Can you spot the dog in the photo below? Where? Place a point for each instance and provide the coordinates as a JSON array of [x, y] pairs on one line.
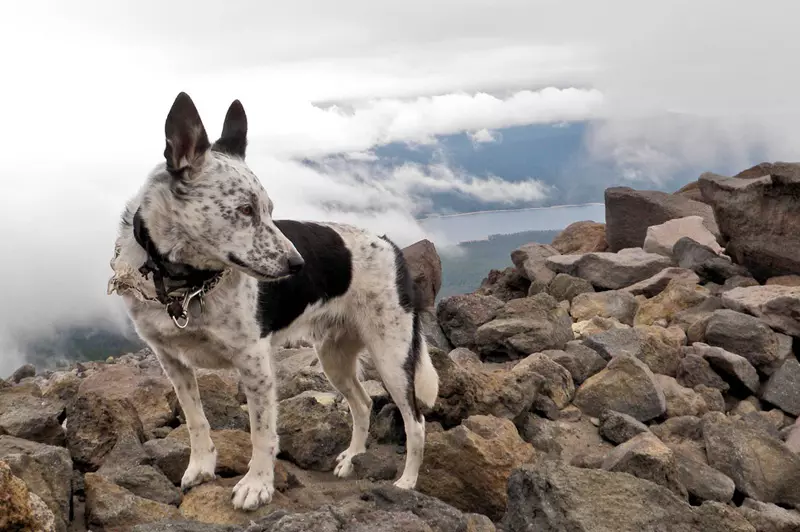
[[210, 280]]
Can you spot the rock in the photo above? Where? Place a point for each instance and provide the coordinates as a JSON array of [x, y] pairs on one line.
[[147, 389], [23, 372], [308, 379], [581, 237], [425, 267], [644, 456], [652, 286], [776, 305], [184, 526], [468, 466], [695, 370], [27, 415], [582, 362], [738, 281], [211, 503], [468, 391], [96, 424], [767, 517], [784, 280], [110, 507], [21, 509], [220, 406], [684, 435], [530, 262], [588, 328], [465, 358], [690, 191], [313, 430], [735, 368], [565, 287], [681, 401], [758, 218], [611, 271], [525, 326], [576, 442], [722, 518], [705, 262], [142, 480], [762, 467], [170, 455], [627, 386], [783, 387], [233, 449], [618, 428], [370, 466], [432, 331], [550, 496], [460, 316], [675, 298], [714, 401], [611, 304], [557, 384], [662, 238], [46, 471], [657, 347], [505, 285], [703, 482], [630, 212], [746, 336]]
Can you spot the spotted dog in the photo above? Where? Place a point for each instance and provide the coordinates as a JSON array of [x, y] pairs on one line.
[[210, 280]]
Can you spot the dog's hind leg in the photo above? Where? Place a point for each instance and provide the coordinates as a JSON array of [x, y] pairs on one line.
[[338, 355], [203, 458], [257, 486]]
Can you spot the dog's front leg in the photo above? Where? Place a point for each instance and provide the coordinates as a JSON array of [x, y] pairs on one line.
[[203, 458], [257, 486]]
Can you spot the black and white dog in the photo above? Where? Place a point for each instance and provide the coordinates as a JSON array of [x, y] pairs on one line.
[[211, 280]]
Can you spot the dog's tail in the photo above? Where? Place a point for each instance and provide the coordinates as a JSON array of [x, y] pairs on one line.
[[426, 380]]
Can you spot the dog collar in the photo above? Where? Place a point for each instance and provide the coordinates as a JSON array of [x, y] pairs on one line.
[[176, 284]]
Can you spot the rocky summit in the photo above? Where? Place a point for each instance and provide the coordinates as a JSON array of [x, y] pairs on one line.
[[641, 376]]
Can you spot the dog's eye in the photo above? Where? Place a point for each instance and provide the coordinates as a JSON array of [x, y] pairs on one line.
[[247, 210]]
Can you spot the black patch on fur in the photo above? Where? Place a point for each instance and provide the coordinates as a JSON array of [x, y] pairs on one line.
[[233, 141], [185, 135], [409, 300], [326, 274]]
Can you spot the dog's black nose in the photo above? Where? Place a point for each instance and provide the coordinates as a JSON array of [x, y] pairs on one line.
[[296, 263]]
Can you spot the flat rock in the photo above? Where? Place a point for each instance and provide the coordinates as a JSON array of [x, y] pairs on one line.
[[468, 466], [626, 385], [110, 507], [610, 304], [783, 387], [703, 482], [746, 336], [657, 347], [662, 238], [776, 305], [461, 315], [630, 212], [652, 286], [644, 456], [611, 271], [581, 237], [24, 413], [211, 503]]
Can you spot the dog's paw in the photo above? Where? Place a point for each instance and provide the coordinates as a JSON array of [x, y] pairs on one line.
[[252, 491], [405, 483], [199, 471], [344, 468]]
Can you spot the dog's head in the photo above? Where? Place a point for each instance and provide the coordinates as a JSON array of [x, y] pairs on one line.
[[214, 209]]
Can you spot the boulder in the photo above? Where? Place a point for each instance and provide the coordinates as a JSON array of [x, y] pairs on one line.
[[662, 238], [565, 287], [425, 267], [461, 315], [610, 271], [581, 237], [695, 370], [784, 280], [170, 455], [644, 456], [627, 386], [684, 435], [747, 336], [657, 347], [652, 286], [588, 328], [211, 503], [630, 212], [432, 331], [46, 471], [233, 451], [24, 413], [705, 262], [682, 401], [739, 372], [525, 326], [371, 466], [776, 305], [110, 507], [618, 428], [676, 297], [530, 262], [576, 442], [703, 482], [22, 372], [505, 285], [468, 466], [557, 383], [21, 509], [783, 387], [762, 467], [610, 304], [759, 219], [221, 407], [766, 517], [582, 362]]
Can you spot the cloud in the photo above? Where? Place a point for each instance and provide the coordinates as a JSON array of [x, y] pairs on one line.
[[484, 136]]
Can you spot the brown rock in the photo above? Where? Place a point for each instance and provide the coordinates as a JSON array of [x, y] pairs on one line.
[[581, 237], [530, 262], [20, 509], [233, 449], [609, 304], [505, 284], [557, 383], [24, 413], [776, 305], [425, 267], [110, 507], [654, 285], [784, 280], [611, 271], [677, 296], [460, 316], [644, 456]]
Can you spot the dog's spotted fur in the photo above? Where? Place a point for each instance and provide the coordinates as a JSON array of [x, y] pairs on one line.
[[205, 208]]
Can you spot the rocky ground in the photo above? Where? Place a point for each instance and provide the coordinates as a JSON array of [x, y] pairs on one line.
[[637, 376]]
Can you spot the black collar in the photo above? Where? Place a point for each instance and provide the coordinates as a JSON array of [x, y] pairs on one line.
[[173, 281]]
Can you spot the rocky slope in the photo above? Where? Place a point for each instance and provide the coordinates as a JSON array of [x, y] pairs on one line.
[[652, 388]]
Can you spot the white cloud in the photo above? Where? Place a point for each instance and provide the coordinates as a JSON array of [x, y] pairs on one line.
[[485, 136]]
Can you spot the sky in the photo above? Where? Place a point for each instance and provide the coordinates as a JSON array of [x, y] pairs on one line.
[[87, 85]]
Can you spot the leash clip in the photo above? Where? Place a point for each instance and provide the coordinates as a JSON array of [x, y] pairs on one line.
[[180, 311]]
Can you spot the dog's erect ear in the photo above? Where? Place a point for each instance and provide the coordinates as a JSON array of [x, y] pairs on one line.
[[187, 141], [234, 132]]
